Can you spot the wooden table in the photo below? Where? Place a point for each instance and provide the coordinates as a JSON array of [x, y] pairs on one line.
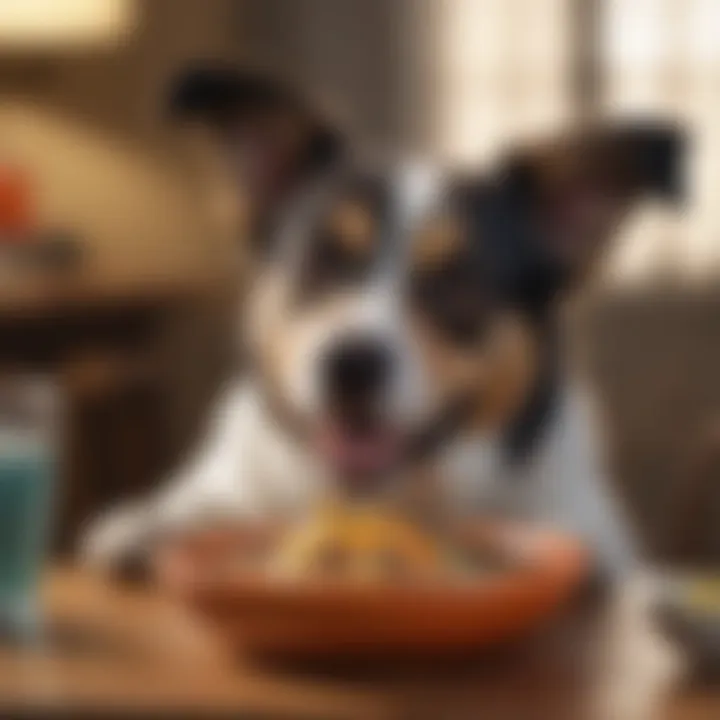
[[111, 648], [36, 293]]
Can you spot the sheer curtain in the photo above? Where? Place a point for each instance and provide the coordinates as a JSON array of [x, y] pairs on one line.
[[506, 71], [503, 68]]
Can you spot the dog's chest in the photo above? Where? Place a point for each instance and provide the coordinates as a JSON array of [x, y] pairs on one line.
[[475, 474], [476, 478], [561, 484]]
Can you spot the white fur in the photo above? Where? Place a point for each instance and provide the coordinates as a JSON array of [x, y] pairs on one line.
[[248, 468], [420, 187], [563, 484], [377, 309]]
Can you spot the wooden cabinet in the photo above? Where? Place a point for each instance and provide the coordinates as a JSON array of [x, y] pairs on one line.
[[136, 363]]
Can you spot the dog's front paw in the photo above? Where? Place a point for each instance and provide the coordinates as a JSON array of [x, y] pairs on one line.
[[113, 538]]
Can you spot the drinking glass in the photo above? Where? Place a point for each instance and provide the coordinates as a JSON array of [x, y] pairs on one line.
[[29, 422]]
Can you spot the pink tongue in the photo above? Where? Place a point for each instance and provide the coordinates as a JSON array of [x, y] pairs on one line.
[[358, 453]]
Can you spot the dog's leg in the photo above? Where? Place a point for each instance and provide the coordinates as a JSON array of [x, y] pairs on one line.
[[215, 483], [576, 495]]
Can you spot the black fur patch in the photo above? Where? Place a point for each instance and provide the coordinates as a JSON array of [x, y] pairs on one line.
[[225, 97]]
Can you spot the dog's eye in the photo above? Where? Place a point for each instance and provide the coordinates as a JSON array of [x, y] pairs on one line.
[[454, 299], [438, 242], [341, 251], [331, 264], [350, 227]]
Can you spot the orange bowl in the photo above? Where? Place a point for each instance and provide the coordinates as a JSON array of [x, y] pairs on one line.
[[264, 615]]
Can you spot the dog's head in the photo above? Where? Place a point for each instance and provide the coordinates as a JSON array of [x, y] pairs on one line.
[[396, 308]]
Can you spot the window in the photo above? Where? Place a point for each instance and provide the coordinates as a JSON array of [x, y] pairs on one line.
[[506, 69], [664, 56], [503, 67]]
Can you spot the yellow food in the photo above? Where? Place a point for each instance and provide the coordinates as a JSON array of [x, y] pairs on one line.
[[357, 543]]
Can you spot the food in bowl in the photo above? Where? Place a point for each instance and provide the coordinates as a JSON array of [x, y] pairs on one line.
[[361, 545], [364, 545]]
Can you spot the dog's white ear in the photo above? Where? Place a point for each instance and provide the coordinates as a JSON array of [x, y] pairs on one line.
[[579, 188], [273, 138]]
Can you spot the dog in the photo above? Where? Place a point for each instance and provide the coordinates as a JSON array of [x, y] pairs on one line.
[[402, 326]]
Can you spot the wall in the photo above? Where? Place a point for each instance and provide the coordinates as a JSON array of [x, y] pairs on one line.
[[91, 131], [368, 62]]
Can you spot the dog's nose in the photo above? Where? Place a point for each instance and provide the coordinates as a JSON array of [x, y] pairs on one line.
[[357, 369]]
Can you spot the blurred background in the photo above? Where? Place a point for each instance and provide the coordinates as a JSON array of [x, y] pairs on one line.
[[113, 281]]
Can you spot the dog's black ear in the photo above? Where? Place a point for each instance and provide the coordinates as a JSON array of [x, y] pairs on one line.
[[274, 139], [577, 190]]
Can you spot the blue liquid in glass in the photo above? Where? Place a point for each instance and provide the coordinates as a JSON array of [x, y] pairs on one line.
[[26, 475]]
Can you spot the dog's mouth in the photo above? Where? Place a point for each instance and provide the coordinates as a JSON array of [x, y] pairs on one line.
[[365, 452], [360, 451]]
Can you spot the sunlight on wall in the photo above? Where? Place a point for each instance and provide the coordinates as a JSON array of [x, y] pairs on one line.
[[130, 209]]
